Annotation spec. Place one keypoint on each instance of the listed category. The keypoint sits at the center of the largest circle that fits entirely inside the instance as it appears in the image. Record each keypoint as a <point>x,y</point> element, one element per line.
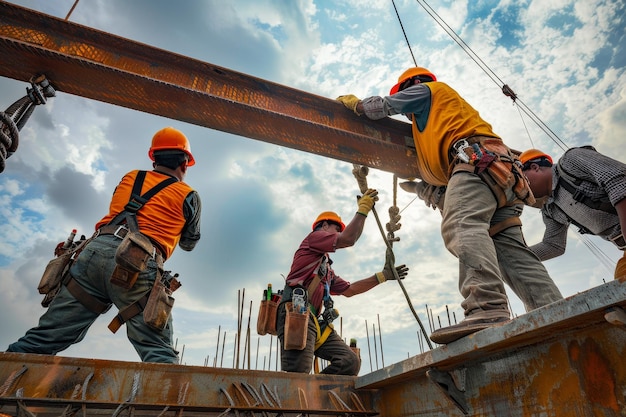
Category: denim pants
<point>343,361</point>
<point>486,263</point>
<point>66,321</point>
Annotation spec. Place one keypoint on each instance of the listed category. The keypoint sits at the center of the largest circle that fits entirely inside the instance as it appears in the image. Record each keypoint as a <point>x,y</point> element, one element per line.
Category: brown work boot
<point>471,324</point>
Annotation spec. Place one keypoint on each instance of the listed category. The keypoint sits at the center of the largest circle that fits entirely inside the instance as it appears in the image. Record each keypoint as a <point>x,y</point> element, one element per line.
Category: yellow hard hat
<point>169,138</point>
<point>329,216</point>
<point>532,154</point>
<point>410,73</point>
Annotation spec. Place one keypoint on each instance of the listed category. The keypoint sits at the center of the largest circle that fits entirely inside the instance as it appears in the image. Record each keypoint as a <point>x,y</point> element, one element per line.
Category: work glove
<point>432,195</point>
<point>366,202</point>
<point>387,273</point>
<point>350,101</point>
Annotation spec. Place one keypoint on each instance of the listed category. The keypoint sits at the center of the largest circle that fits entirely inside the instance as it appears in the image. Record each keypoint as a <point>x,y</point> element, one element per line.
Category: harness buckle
<point>118,230</point>
<point>459,147</point>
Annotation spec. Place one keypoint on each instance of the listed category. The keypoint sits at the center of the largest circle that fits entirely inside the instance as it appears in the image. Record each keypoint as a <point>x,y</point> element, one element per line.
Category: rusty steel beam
<point>48,385</point>
<point>565,359</point>
<point>89,63</point>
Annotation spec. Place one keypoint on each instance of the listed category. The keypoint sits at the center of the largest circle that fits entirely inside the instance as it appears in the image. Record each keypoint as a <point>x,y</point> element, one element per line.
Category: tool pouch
<point>499,169</point>
<point>266,321</point>
<point>54,273</point>
<point>159,306</point>
<point>296,328</point>
<point>123,277</point>
<point>134,252</point>
<point>132,257</point>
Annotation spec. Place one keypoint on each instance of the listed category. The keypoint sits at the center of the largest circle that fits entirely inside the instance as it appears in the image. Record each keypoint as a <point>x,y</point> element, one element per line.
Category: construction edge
<point>565,359</point>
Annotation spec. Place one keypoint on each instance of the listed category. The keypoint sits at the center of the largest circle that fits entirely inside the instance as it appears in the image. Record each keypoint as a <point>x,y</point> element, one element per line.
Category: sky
<point>565,60</point>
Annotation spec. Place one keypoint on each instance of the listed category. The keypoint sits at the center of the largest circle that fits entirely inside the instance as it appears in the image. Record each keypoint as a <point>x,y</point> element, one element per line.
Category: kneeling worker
<point>313,281</point>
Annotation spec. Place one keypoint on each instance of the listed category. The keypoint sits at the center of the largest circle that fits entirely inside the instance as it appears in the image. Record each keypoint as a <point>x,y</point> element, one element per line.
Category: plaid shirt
<point>601,177</point>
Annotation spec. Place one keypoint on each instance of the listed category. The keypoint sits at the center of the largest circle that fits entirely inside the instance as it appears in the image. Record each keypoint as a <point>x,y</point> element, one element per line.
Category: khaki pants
<point>486,263</point>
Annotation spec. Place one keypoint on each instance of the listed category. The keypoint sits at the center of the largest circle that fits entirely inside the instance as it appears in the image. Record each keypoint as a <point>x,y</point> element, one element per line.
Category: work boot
<point>471,324</point>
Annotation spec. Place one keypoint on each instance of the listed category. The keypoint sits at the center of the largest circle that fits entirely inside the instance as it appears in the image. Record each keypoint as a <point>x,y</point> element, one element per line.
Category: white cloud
<point>261,199</point>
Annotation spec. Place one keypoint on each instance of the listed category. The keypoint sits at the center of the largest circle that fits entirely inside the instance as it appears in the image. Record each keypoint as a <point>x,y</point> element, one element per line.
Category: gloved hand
<point>432,195</point>
<point>387,273</point>
<point>366,202</point>
<point>350,101</point>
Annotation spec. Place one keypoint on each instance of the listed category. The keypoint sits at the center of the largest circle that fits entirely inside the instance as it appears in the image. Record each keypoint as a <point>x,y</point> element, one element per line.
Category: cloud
<point>564,60</point>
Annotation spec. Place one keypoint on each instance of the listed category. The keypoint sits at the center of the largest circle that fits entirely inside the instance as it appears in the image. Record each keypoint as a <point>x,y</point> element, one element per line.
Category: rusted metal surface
<point>48,385</point>
<point>563,360</point>
<point>93,64</point>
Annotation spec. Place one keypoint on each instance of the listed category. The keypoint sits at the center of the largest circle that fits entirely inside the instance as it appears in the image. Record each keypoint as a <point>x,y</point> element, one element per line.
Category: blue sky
<point>564,59</point>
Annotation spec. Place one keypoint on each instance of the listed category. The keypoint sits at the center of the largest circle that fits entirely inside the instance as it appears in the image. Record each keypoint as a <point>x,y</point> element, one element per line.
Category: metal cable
<point>506,90</point>
<point>360,173</point>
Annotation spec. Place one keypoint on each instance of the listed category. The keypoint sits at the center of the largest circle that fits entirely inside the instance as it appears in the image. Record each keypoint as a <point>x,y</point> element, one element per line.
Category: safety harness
<point>492,161</point>
<point>322,334</point>
<point>115,227</point>
<point>572,185</point>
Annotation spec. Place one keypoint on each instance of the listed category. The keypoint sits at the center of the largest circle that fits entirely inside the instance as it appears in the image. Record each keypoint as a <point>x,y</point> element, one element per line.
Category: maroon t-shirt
<point>306,262</point>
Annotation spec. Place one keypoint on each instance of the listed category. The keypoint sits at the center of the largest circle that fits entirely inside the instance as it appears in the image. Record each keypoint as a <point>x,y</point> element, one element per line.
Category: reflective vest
<point>161,218</point>
<point>450,119</point>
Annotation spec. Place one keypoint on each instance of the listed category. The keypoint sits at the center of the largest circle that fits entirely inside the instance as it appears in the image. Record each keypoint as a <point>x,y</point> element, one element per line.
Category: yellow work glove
<point>366,202</point>
<point>387,273</point>
<point>350,101</point>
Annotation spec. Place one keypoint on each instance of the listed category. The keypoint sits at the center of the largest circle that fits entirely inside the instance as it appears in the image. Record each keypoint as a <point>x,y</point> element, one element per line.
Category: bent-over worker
<point>584,188</point>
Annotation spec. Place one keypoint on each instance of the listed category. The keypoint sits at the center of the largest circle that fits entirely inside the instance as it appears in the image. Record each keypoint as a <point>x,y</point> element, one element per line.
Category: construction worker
<point>168,218</point>
<point>585,188</point>
<point>457,149</point>
<point>311,276</point>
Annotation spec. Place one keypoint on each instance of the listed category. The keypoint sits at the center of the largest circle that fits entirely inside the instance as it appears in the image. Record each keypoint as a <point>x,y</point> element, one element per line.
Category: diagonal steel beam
<point>89,63</point>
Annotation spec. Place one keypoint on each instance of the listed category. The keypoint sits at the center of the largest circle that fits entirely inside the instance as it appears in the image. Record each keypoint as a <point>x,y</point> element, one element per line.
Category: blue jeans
<point>486,263</point>
<point>66,321</point>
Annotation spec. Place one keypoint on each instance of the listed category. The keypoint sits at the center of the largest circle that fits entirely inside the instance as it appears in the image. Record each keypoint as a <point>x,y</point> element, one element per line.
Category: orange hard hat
<point>330,216</point>
<point>169,138</point>
<point>532,154</point>
<point>410,73</point>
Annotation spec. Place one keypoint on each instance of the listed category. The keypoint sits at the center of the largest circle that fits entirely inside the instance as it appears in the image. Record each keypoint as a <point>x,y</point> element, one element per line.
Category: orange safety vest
<point>161,218</point>
<point>450,119</point>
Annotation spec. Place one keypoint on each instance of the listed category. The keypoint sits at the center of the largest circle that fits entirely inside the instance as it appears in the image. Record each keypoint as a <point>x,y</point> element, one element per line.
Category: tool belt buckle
<point>619,241</point>
<point>459,147</point>
<point>118,230</point>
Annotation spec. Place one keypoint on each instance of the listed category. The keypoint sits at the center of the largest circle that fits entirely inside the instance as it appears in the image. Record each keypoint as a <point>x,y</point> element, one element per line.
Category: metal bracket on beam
<point>447,384</point>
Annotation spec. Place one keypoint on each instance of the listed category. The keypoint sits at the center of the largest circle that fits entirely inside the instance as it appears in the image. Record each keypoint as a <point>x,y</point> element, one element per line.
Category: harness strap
<point>137,200</point>
<point>596,204</point>
<point>128,313</point>
<point>322,335</point>
<point>137,306</point>
<point>503,225</point>
<point>89,301</point>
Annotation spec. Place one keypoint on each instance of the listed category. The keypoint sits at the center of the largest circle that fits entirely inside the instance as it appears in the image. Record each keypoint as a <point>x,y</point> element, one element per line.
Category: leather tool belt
<point>496,165</point>
<point>120,231</point>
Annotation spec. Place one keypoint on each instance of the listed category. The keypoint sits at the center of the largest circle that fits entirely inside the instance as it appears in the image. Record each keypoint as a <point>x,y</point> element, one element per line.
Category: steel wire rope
<point>360,174</point>
<point>507,91</point>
